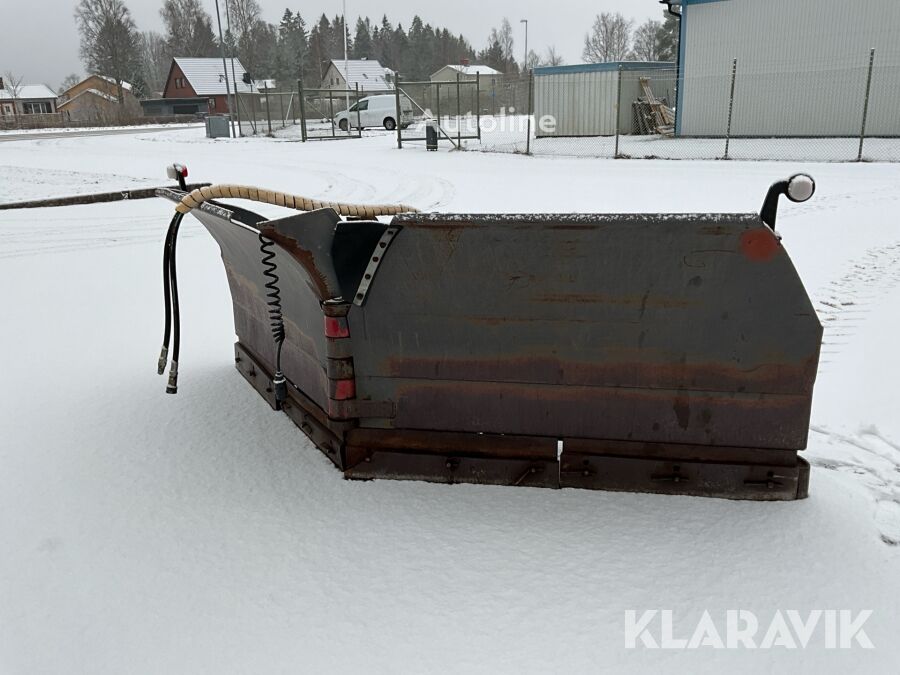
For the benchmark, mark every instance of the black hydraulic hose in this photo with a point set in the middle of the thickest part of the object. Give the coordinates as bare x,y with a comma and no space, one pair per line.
172,386
276,319
167,294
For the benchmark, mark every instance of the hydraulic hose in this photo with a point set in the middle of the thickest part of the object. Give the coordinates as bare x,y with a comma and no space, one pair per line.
193,200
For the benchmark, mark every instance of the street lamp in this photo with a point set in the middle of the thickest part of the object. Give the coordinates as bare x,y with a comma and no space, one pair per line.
525,21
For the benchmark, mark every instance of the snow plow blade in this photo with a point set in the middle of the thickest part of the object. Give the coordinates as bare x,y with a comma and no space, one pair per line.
658,353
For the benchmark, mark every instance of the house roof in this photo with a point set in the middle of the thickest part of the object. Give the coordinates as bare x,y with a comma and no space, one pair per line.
473,70
94,92
206,75
30,91
125,85
367,73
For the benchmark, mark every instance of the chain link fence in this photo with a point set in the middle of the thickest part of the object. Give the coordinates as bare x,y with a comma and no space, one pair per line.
266,112
835,111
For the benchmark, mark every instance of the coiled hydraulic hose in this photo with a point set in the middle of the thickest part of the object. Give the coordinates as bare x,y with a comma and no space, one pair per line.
276,320
193,200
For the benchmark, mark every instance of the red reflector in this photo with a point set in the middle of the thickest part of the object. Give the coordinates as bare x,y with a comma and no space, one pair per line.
336,327
184,172
344,389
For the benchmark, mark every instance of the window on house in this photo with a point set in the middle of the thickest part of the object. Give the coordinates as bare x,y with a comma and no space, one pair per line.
36,107
212,104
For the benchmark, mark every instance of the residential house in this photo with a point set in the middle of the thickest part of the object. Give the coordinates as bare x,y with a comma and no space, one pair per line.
195,77
29,99
487,76
96,98
367,74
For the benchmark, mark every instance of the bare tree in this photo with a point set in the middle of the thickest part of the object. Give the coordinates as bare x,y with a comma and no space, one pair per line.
609,39
13,86
501,45
155,60
189,30
243,16
533,60
109,42
553,58
646,41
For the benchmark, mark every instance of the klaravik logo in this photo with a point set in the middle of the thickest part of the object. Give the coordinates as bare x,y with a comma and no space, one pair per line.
742,629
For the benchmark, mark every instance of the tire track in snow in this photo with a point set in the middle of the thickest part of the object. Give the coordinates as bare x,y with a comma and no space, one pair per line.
873,459
845,303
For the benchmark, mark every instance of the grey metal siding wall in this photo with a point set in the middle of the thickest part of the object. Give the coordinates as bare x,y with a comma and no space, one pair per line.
585,103
802,67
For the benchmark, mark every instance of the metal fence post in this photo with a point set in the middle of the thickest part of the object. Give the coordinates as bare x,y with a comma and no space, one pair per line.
358,116
730,107
478,104
268,113
331,114
862,133
303,135
458,114
281,108
397,100
437,102
529,110
618,110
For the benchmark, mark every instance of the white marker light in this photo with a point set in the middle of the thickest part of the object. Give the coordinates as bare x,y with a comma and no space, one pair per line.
801,187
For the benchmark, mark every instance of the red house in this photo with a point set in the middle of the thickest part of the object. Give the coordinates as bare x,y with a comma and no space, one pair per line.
191,77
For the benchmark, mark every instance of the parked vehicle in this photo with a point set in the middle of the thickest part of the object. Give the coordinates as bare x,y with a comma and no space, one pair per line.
376,111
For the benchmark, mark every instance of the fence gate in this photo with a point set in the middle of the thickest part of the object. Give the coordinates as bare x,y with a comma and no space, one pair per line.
320,107
456,106
263,113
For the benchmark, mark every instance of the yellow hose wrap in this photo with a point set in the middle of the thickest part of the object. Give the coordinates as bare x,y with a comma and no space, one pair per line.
200,195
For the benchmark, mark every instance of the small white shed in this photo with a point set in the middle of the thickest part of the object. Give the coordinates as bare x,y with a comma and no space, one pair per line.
583,99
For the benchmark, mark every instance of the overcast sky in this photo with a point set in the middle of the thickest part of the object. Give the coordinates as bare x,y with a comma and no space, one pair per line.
40,43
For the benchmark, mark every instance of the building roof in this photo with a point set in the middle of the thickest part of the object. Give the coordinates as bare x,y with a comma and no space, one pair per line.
473,70
602,67
125,85
30,91
94,92
367,73
206,75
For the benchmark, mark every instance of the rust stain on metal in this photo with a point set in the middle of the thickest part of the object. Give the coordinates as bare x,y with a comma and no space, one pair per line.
642,301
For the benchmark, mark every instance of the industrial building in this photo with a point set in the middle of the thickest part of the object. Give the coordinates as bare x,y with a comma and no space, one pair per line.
584,99
802,67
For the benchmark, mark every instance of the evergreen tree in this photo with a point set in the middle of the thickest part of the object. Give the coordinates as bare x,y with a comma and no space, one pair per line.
363,47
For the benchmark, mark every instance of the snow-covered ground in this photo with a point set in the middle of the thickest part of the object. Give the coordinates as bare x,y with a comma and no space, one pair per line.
200,533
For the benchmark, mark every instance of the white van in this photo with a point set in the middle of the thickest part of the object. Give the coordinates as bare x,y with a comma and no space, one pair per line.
376,111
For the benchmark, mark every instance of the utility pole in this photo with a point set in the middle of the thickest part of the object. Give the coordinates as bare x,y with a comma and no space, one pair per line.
347,70
225,70
525,21
237,99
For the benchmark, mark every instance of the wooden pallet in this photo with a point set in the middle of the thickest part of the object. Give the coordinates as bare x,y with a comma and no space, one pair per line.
663,114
